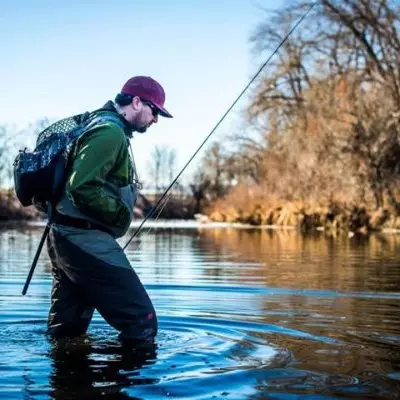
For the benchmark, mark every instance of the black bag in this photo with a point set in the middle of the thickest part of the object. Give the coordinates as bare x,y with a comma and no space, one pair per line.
39,175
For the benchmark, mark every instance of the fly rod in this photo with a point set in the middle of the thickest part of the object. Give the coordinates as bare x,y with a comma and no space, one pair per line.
154,209
163,197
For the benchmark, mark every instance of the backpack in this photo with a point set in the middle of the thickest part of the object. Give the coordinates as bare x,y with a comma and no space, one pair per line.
40,175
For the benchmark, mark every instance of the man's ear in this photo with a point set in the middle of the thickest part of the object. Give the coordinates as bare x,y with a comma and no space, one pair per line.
136,103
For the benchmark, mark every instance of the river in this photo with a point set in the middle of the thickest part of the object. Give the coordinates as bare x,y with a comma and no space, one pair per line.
243,314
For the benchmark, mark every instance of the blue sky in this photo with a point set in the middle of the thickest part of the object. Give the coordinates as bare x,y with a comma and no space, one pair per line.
60,58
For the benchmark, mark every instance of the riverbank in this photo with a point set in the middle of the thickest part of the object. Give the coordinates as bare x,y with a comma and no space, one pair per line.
300,216
306,217
176,208
11,209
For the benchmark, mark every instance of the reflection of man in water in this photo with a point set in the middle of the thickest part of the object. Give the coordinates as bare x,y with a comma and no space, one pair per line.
82,370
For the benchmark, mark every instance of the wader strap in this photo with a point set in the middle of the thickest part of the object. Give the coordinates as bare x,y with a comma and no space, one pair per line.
136,180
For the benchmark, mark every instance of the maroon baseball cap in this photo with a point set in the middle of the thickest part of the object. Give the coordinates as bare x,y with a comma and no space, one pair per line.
147,89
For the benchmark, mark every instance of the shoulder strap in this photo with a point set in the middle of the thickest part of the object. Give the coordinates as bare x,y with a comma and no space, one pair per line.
106,117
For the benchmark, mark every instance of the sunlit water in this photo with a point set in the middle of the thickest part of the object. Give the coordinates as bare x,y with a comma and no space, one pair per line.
244,314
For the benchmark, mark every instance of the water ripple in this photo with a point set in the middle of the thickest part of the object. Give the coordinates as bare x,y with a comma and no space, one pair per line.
242,315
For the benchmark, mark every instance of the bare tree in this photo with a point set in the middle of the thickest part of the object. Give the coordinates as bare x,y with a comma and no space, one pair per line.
330,95
324,119
3,151
154,165
171,164
369,29
340,37
325,112
162,165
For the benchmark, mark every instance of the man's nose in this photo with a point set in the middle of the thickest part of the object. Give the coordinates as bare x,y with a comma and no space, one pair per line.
155,118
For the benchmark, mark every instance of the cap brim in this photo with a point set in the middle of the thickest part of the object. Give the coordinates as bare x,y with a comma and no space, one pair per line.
163,112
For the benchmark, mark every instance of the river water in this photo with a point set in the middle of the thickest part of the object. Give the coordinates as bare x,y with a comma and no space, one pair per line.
243,314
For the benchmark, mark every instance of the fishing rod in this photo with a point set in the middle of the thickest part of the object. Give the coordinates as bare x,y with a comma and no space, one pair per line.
163,198
154,209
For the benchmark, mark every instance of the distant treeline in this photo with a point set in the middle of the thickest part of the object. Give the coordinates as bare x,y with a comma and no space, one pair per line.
326,119
320,141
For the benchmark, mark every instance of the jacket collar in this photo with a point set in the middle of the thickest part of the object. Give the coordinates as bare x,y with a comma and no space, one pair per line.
112,107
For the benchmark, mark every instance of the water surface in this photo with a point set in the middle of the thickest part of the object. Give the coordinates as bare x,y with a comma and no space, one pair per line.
243,313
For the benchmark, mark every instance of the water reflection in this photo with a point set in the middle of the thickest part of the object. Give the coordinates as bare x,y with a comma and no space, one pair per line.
312,261
84,368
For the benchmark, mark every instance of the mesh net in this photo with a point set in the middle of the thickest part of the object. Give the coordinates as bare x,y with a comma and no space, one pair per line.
60,128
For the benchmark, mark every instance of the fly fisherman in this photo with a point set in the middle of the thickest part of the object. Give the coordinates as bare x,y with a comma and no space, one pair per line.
90,270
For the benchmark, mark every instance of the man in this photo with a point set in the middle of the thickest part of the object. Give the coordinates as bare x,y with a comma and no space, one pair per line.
90,270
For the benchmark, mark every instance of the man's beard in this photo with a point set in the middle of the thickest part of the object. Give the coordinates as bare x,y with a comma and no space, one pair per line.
138,126
141,129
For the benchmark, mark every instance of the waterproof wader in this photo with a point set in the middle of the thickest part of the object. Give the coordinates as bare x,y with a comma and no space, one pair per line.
90,271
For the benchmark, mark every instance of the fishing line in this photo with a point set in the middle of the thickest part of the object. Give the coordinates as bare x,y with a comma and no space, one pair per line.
161,208
154,209
150,228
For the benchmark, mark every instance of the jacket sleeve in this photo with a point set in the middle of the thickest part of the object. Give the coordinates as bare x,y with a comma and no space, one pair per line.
95,155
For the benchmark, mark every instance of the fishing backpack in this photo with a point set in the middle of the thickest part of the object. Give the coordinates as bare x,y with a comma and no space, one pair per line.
40,175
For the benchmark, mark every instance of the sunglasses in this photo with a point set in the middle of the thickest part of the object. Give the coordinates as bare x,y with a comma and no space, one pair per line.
154,109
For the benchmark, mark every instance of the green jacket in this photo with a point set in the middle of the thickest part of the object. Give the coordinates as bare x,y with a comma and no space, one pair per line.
101,156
